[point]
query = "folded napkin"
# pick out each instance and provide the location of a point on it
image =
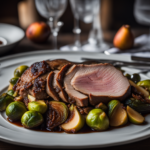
(141, 47)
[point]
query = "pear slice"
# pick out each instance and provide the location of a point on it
(134, 116)
(31, 98)
(75, 121)
(117, 114)
(140, 89)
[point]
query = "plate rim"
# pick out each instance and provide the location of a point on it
(141, 137)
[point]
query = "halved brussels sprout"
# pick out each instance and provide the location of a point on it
(15, 110)
(14, 80)
(97, 119)
(10, 92)
(19, 70)
(145, 84)
(39, 106)
(138, 105)
(57, 114)
(31, 119)
(5, 100)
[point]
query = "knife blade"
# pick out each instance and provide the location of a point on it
(119, 63)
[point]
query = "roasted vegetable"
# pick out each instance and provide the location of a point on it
(101, 106)
(19, 70)
(31, 119)
(75, 121)
(31, 98)
(13, 81)
(97, 119)
(39, 106)
(145, 84)
(117, 114)
(134, 116)
(139, 106)
(58, 111)
(135, 77)
(15, 110)
(5, 100)
(140, 89)
(10, 92)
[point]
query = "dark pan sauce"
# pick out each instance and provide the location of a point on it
(85, 129)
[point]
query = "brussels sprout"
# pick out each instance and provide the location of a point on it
(31, 119)
(39, 106)
(14, 80)
(59, 110)
(5, 100)
(138, 105)
(135, 78)
(15, 110)
(10, 92)
(145, 84)
(97, 119)
(101, 106)
(19, 71)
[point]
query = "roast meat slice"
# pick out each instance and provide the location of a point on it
(73, 95)
(26, 81)
(60, 82)
(50, 87)
(102, 82)
(39, 88)
(57, 64)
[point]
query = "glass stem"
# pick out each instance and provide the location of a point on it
(77, 32)
(54, 31)
(96, 36)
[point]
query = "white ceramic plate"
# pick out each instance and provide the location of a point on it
(10, 35)
(21, 136)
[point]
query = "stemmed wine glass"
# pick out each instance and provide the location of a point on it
(89, 13)
(52, 10)
(142, 15)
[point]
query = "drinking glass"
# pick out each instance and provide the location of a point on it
(52, 10)
(88, 12)
(142, 14)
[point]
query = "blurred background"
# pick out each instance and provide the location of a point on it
(113, 14)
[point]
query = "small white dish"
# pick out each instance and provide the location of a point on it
(2, 41)
(10, 36)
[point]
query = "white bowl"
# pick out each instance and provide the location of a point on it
(10, 35)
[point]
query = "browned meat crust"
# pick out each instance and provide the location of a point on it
(60, 82)
(49, 87)
(57, 64)
(30, 83)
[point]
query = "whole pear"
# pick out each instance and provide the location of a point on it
(124, 38)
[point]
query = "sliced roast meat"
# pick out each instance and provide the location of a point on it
(26, 81)
(102, 82)
(60, 82)
(50, 87)
(57, 64)
(73, 95)
(39, 88)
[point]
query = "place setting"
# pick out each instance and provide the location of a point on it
(73, 78)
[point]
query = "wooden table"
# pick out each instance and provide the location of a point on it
(25, 46)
